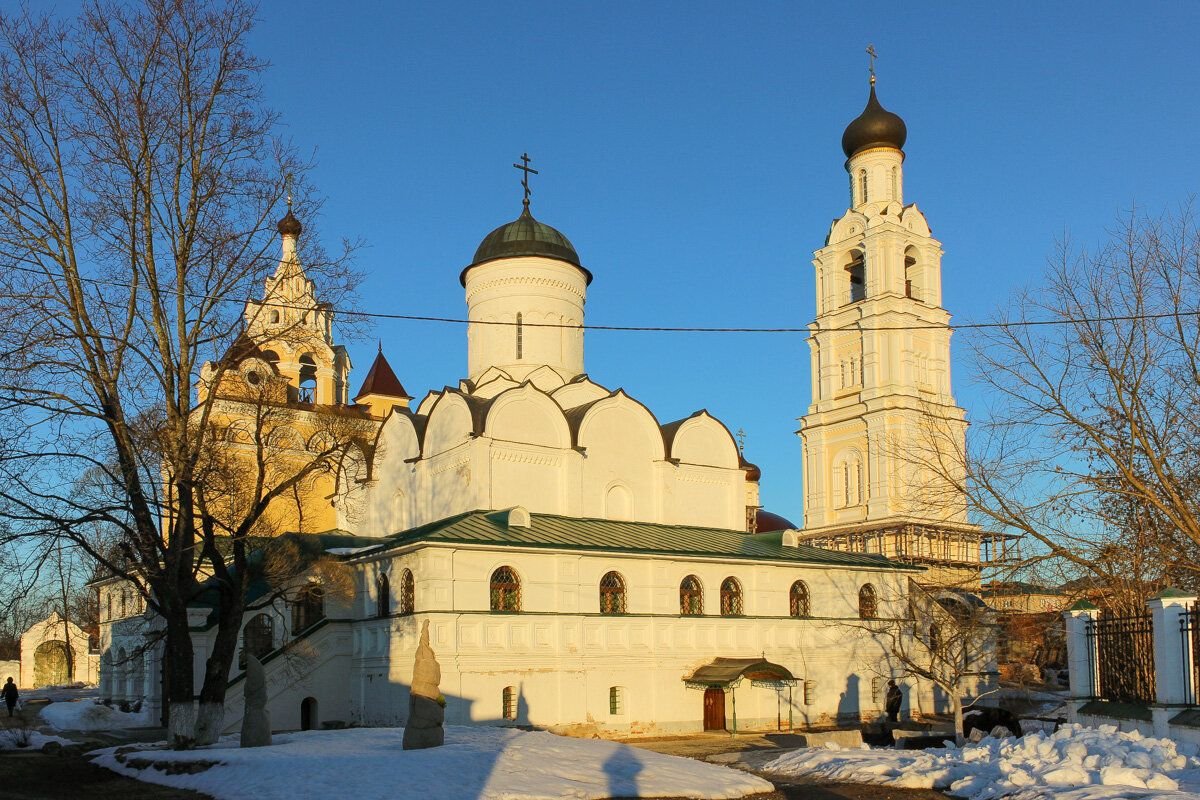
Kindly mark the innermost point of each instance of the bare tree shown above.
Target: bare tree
(948, 640)
(139, 179)
(1088, 446)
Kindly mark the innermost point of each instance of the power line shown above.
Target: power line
(1027, 323)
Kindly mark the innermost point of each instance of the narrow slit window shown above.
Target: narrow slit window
(520, 336)
(862, 183)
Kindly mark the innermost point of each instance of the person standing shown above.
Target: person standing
(10, 696)
(892, 704)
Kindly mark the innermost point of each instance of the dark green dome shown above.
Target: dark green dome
(874, 127)
(525, 236)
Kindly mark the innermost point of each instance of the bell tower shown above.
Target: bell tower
(882, 411)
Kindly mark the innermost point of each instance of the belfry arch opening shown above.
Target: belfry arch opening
(912, 274)
(308, 379)
(856, 277)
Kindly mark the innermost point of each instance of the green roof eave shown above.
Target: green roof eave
(552, 531)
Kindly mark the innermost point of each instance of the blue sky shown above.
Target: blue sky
(691, 152)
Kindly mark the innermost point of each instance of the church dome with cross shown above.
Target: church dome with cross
(525, 236)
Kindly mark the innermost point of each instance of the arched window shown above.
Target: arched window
(896, 184)
(868, 602)
(691, 597)
(935, 637)
(308, 379)
(508, 702)
(520, 335)
(612, 594)
(799, 603)
(383, 596)
(731, 598)
(856, 272)
(505, 590)
(258, 638)
(109, 601)
(308, 608)
(275, 316)
(408, 594)
(616, 700)
(912, 287)
(862, 184)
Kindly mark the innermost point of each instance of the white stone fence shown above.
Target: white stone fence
(1171, 707)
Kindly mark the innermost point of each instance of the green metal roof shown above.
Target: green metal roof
(615, 536)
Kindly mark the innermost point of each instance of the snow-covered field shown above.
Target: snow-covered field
(479, 763)
(87, 715)
(1076, 763)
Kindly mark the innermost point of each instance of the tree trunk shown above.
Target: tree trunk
(957, 708)
(217, 668)
(180, 688)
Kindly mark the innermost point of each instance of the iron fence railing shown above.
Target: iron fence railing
(1123, 649)
(1189, 645)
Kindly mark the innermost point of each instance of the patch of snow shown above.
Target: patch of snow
(86, 714)
(476, 762)
(1075, 763)
(349, 551)
(8, 740)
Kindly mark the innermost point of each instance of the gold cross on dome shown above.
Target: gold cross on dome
(287, 181)
(741, 437)
(872, 55)
(524, 167)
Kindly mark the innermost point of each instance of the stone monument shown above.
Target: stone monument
(426, 706)
(256, 722)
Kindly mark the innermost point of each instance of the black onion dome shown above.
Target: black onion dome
(289, 225)
(874, 127)
(525, 236)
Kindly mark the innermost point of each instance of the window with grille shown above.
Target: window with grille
(508, 702)
(308, 609)
(798, 600)
(862, 181)
(691, 596)
(731, 598)
(868, 602)
(520, 336)
(258, 638)
(505, 590)
(612, 594)
(616, 700)
(407, 593)
(383, 599)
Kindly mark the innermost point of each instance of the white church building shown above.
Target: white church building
(588, 568)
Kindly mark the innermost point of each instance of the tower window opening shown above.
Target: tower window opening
(520, 337)
(508, 703)
(308, 379)
(912, 287)
(856, 272)
(862, 184)
(896, 184)
(275, 317)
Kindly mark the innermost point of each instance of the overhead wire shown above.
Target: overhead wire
(1022, 323)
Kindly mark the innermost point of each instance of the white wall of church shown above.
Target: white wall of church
(562, 656)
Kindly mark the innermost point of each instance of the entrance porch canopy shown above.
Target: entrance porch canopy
(730, 671)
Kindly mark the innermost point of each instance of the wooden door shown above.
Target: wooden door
(714, 709)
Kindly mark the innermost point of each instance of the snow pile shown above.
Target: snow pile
(1077, 762)
(9, 738)
(88, 715)
(475, 762)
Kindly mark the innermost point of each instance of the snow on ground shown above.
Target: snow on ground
(85, 714)
(9, 738)
(1076, 763)
(476, 762)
